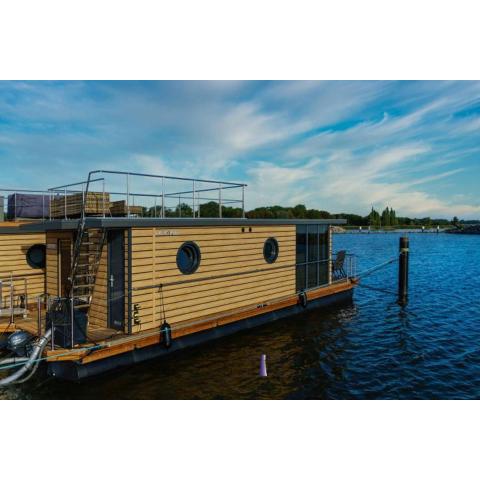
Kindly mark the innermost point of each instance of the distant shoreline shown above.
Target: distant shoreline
(466, 230)
(367, 231)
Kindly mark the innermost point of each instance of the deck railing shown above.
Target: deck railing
(129, 194)
(348, 270)
(13, 297)
(351, 265)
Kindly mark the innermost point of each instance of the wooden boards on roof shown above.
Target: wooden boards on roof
(71, 205)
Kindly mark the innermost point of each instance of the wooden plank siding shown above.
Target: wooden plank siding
(233, 273)
(13, 261)
(228, 276)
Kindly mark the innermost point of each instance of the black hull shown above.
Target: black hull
(74, 371)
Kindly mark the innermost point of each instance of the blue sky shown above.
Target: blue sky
(337, 146)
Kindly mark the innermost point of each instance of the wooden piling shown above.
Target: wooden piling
(403, 271)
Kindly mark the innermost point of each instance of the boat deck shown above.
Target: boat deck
(106, 342)
(30, 324)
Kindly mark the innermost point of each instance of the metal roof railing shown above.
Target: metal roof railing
(132, 194)
(126, 194)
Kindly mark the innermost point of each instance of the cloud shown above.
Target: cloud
(338, 182)
(332, 145)
(245, 127)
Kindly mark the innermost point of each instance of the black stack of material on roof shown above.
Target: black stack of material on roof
(28, 205)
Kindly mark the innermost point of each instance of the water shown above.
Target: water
(372, 348)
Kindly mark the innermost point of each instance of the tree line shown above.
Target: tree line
(387, 218)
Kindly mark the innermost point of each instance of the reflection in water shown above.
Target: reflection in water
(372, 348)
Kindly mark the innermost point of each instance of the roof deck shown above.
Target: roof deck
(115, 199)
(109, 193)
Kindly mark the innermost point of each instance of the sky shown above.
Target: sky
(333, 145)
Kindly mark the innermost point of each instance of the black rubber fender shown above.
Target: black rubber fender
(166, 334)
(303, 299)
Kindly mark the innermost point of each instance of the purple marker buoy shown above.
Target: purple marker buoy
(263, 365)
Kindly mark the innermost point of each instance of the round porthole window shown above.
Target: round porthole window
(188, 257)
(36, 256)
(270, 250)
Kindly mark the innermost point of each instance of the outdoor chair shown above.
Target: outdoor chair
(337, 265)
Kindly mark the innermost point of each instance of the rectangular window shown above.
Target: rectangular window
(312, 258)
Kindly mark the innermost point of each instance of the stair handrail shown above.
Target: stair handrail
(80, 233)
(98, 252)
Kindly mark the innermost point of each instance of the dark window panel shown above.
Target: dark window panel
(323, 273)
(301, 243)
(312, 275)
(323, 244)
(312, 243)
(301, 284)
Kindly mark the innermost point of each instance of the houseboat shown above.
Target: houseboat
(123, 267)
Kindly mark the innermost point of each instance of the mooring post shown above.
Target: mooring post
(403, 271)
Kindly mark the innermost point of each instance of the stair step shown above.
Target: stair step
(88, 248)
(83, 305)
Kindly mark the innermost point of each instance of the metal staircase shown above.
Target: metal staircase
(83, 277)
(86, 257)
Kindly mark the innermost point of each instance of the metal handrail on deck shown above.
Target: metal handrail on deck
(194, 194)
(7, 303)
(166, 201)
(349, 268)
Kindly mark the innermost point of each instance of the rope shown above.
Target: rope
(376, 267)
(373, 270)
(163, 304)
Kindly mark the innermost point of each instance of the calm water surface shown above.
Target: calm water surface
(371, 348)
